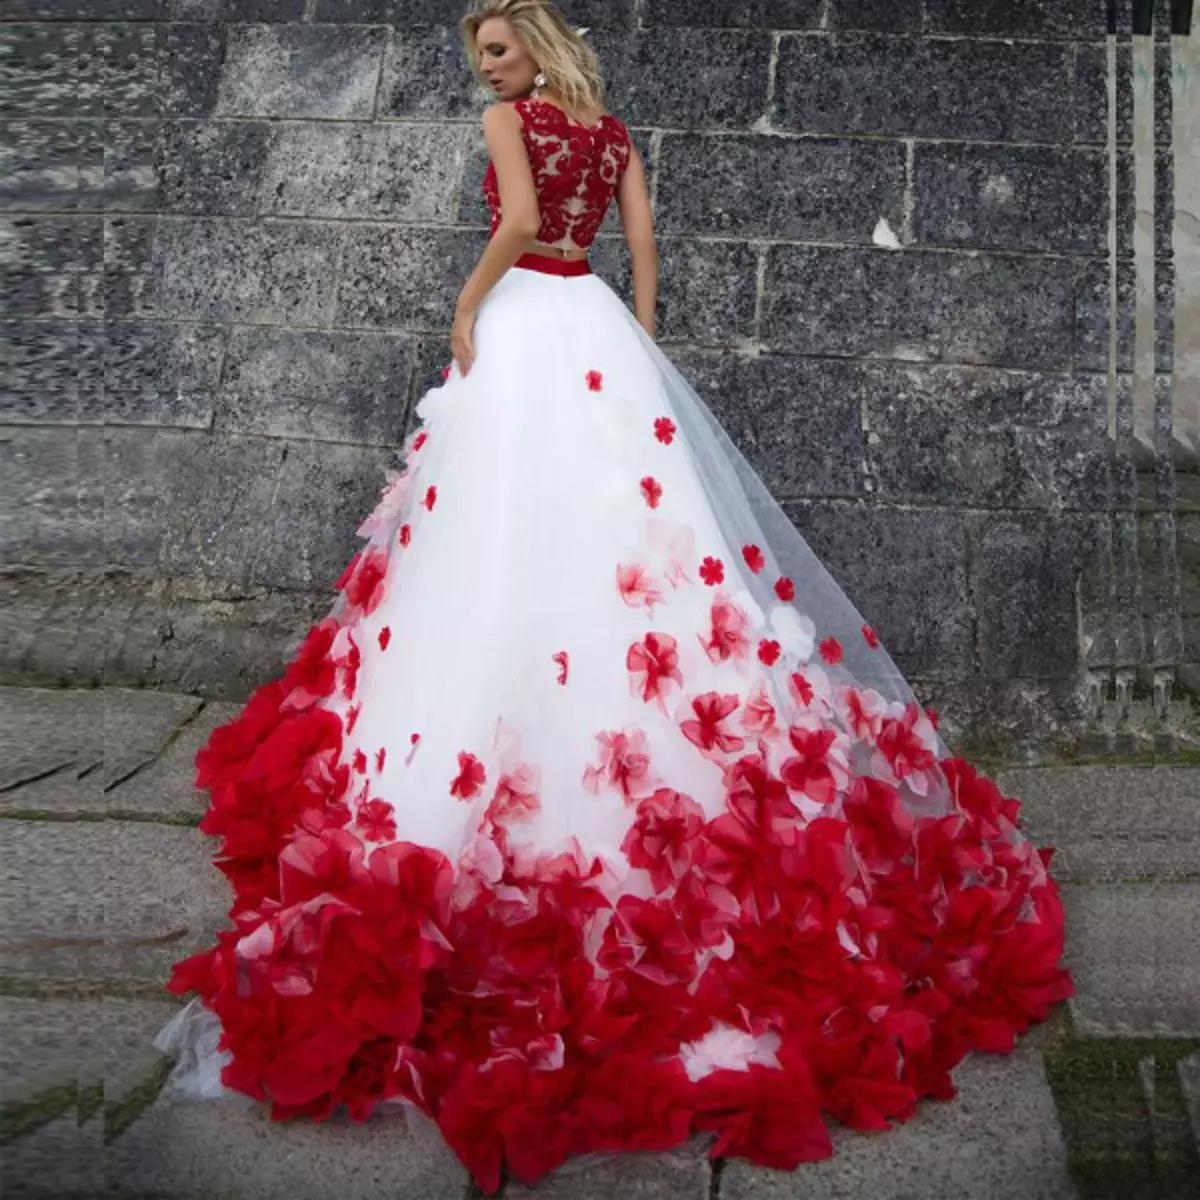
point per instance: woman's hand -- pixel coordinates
(462, 345)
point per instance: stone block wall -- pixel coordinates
(234, 231)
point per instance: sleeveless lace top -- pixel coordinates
(576, 169)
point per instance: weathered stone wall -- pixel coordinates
(236, 229)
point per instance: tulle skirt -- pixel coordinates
(595, 817)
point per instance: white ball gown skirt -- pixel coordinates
(594, 817)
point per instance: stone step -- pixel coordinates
(52, 1043)
(1112, 822)
(676, 1176)
(105, 899)
(1134, 954)
(998, 1139)
(108, 732)
(1189, 1079)
(183, 1147)
(76, 751)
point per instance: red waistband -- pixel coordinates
(554, 266)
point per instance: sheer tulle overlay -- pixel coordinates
(594, 817)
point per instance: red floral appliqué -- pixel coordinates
(595, 381)
(872, 638)
(754, 558)
(808, 770)
(420, 440)
(376, 822)
(663, 834)
(705, 730)
(831, 650)
(385, 636)
(712, 570)
(360, 762)
(624, 764)
(727, 637)
(652, 490)
(664, 430)
(562, 660)
(405, 534)
(801, 689)
(430, 497)
(638, 589)
(652, 662)
(470, 778)
(516, 795)
(362, 581)
(380, 759)
(768, 652)
(785, 589)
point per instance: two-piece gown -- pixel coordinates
(594, 817)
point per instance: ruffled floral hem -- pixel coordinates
(775, 970)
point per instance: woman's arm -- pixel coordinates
(519, 223)
(633, 199)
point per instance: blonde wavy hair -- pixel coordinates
(567, 61)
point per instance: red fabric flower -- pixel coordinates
(664, 430)
(594, 381)
(385, 636)
(380, 759)
(516, 795)
(759, 800)
(648, 937)
(808, 770)
(768, 652)
(758, 713)
(313, 672)
(785, 589)
(871, 636)
(624, 764)
(754, 558)
(712, 570)
(705, 730)
(801, 690)
(419, 440)
(470, 778)
(652, 490)
(360, 762)
(638, 589)
(831, 650)
(376, 821)
(562, 660)
(902, 745)
(881, 826)
(405, 534)
(651, 663)
(349, 663)
(727, 637)
(362, 581)
(430, 497)
(659, 840)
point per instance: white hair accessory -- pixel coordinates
(581, 30)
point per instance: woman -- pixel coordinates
(594, 817)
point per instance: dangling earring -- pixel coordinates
(539, 81)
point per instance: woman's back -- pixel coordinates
(576, 169)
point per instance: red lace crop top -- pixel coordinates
(576, 169)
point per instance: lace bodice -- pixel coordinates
(576, 169)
